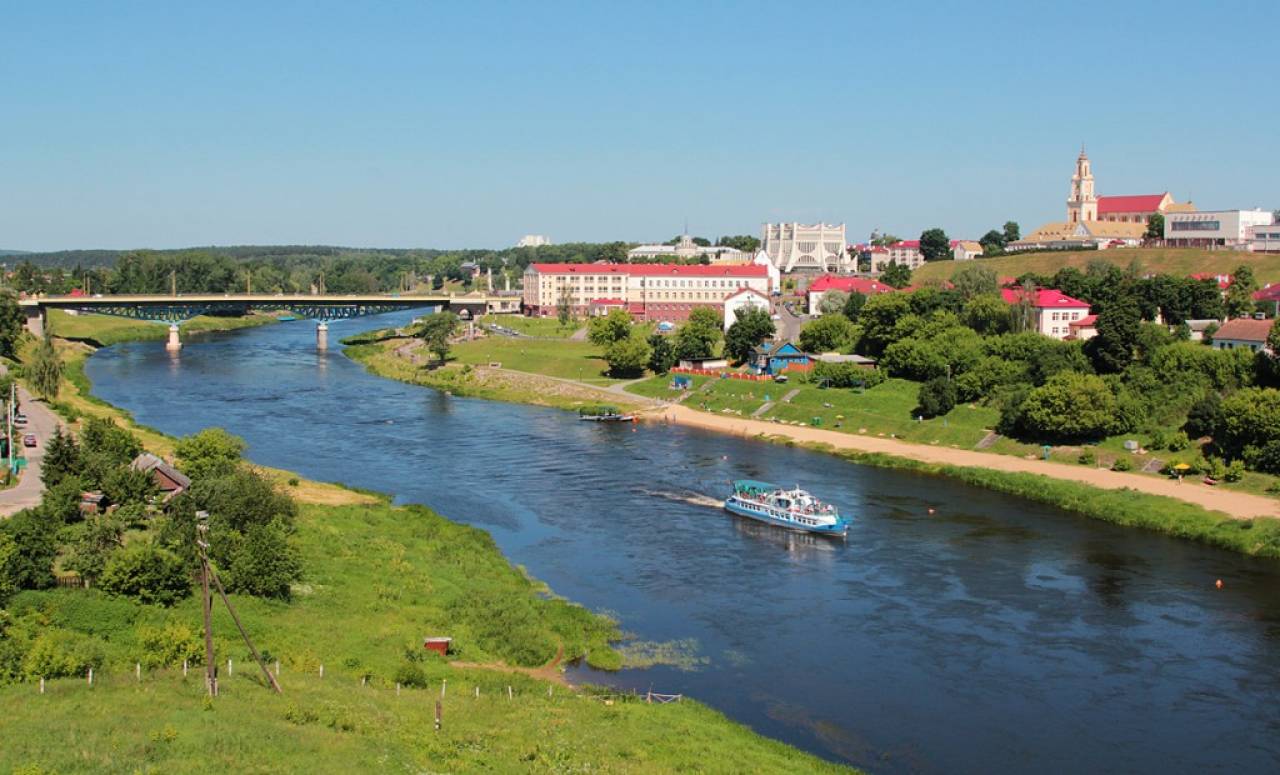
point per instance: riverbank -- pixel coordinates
(403, 359)
(359, 690)
(1229, 519)
(105, 330)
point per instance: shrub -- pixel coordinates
(1087, 458)
(1235, 471)
(1265, 458)
(146, 573)
(410, 674)
(168, 645)
(1177, 442)
(936, 397)
(211, 452)
(1072, 406)
(58, 653)
(264, 563)
(1122, 464)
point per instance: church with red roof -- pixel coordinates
(1100, 221)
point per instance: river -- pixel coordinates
(994, 634)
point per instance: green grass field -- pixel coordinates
(1176, 261)
(549, 328)
(377, 579)
(550, 357)
(105, 330)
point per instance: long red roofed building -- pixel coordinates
(650, 291)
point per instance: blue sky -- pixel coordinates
(414, 124)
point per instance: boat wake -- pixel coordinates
(692, 498)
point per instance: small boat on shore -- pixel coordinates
(604, 414)
(793, 509)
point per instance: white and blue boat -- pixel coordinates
(792, 509)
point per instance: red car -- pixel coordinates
(29, 440)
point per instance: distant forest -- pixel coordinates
(291, 268)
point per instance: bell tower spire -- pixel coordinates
(1083, 204)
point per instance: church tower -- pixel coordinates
(1083, 204)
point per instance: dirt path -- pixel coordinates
(548, 672)
(1237, 504)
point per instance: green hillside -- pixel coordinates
(1176, 261)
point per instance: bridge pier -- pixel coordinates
(322, 335)
(175, 342)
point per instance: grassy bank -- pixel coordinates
(538, 383)
(378, 578)
(1259, 537)
(1175, 261)
(104, 330)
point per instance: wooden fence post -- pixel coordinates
(322, 671)
(91, 676)
(277, 668)
(439, 714)
(443, 683)
(397, 688)
(509, 694)
(184, 668)
(477, 692)
(42, 684)
(230, 669)
(137, 671)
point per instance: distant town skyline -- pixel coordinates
(408, 125)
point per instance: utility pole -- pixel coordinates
(207, 572)
(13, 392)
(210, 672)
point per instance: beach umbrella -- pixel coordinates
(1182, 467)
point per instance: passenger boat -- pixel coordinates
(604, 414)
(793, 509)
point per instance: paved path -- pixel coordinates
(1237, 504)
(42, 422)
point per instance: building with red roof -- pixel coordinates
(1052, 311)
(1249, 333)
(830, 282)
(648, 291)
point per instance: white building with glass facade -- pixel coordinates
(1215, 228)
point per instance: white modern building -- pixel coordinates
(684, 248)
(1215, 228)
(1266, 239)
(799, 247)
(533, 241)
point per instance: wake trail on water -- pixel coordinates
(687, 496)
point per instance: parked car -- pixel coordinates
(19, 419)
(29, 440)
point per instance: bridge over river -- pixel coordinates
(322, 308)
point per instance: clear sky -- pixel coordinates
(467, 124)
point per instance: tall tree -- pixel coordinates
(700, 334)
(1012, 233)
(628, 357)
(564, 306)
(1155, 226)
(992, 242)
(752, 327)
(46, 369)
(896, 275)
(11, 321)
(1118, 327)
(436, 331)
(743, 242)
(853, 305)
(662, 356)
(832, 302)
(973, 279)
(606, 329)
(1239, 296)
(935, 245)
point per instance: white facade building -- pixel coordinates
(685, 248)
(1211, 228)
(533, 241)
(1265, 239)
(745, 299)
(799, 247)
(649, 291)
